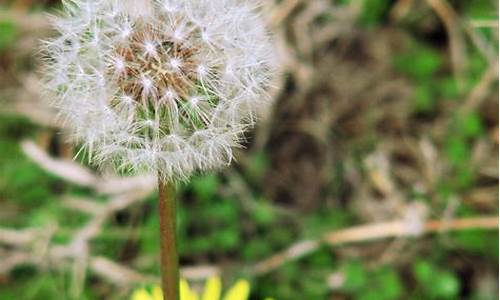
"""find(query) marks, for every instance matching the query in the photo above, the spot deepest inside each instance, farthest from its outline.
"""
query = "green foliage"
(256, 169)
(21, 181)
(420, 62)
(373, 12)
(458, 148)
(356, 276)
(471, 125)
(448, 88)
(382, 284)
(299, 280)
(389, 284)
(425, 67)
(481, 10)
(8, 34)
(205, 187)
(263, 213)
(324, 221)
(424, 98)
(40, 287)
(478, 242)
(434, 282)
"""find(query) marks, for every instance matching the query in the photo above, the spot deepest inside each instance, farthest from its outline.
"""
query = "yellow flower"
(213, 291)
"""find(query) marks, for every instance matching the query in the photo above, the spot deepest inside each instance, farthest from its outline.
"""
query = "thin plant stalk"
(168, 236)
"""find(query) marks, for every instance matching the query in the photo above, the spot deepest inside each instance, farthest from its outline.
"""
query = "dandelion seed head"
(160, 85)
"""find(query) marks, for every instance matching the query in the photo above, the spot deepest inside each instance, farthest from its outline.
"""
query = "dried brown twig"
(481, 91)
(455, 36)
(371, 232)
(81, 176)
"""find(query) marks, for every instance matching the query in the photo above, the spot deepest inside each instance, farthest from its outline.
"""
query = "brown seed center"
(152, 64)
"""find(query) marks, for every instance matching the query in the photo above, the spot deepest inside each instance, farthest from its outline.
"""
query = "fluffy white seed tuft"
(161, 86)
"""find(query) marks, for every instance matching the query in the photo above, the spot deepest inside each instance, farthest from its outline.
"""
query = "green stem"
(168, 237)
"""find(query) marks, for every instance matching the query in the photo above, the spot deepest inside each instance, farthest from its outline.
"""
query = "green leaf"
(196, 245)
(374, 12)
(321, 259)
(8, 33)
(424, 98)
(458, 150)
(446, 285)
(420, 62)
(448, 88)
(370, 294)
(390, 285)
(481, 10)
(325, 220)
(437, 283)
(355, 276)
(256, 169)
(478, 242)
(205, 187)
(472, 125)
(227, 239)
(263, 213)
(222, 212)
(423, 272)
(255, 249)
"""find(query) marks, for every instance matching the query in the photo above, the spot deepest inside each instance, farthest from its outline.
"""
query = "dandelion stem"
(168, 236)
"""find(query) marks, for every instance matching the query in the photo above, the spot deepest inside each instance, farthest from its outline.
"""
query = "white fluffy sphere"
(166, 86)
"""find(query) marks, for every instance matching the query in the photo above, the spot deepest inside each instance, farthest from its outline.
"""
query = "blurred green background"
(386, 110)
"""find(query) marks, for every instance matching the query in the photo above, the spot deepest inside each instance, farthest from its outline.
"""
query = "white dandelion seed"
(160, 85)
(149, 49)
